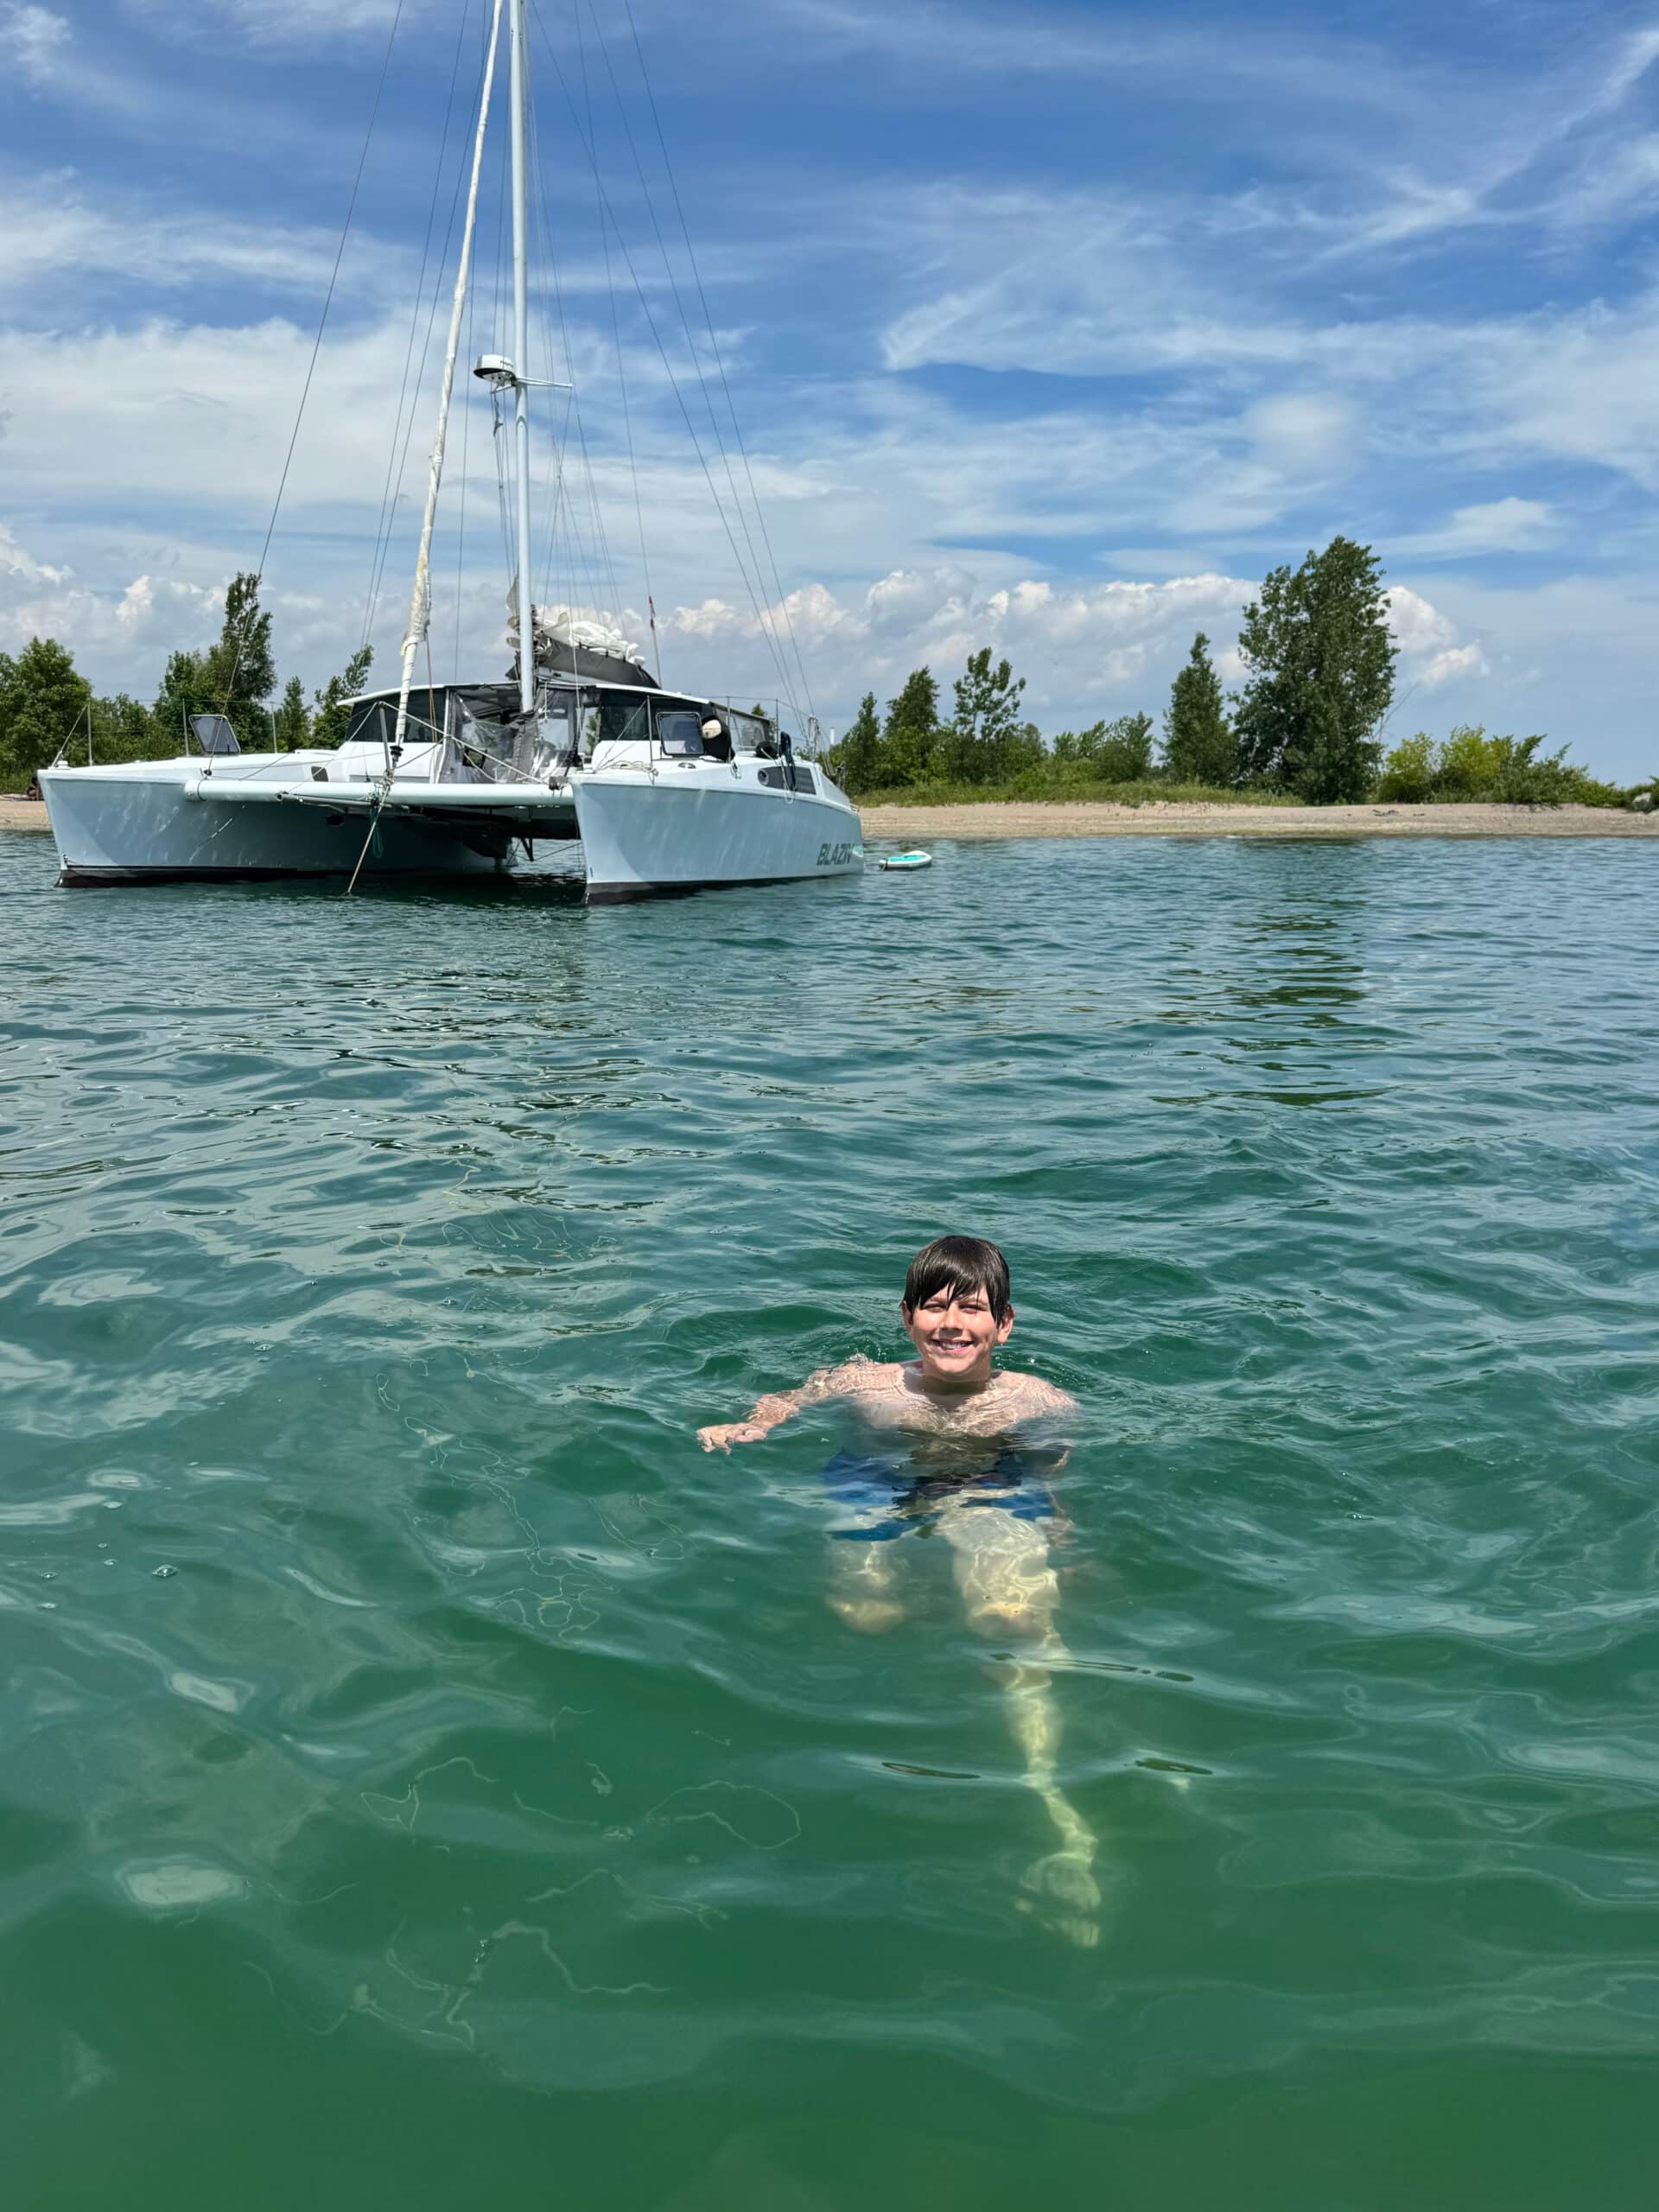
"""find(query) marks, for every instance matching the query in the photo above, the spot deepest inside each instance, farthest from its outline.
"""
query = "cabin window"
(751, 733)
(373, 720)
(556, 736)
(623, 718)
(679, 732)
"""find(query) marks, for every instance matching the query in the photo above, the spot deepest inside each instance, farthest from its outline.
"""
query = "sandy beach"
(917, 825)
(914, 825)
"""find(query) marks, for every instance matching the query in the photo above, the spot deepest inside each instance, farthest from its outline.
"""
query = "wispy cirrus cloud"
(35, 39)
(1040, 42)
(281, 23)
(56, 228)
(1509, 525)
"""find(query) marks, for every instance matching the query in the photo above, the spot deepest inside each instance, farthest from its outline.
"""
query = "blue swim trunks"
(892, 1501)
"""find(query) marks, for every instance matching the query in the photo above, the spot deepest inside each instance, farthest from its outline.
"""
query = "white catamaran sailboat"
(667, 790)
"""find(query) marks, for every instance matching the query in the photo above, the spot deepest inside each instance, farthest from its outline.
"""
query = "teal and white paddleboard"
(907, 860)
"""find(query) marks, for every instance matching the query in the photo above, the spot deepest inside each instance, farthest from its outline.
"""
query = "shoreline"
(907, 826)
(911, 825)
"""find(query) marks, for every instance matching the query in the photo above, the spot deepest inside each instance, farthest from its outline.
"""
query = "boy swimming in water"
(970, 1476)
(957, 1310)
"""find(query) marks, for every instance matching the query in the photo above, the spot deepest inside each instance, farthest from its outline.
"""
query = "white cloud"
(1576, 387)
(278, 23)
(1283, 400)
(941, 38)
(53, 229)
(1430, 652)
(1307, 434)
(1615, 181)
(1511, 525)
(117, 630)
(35, 38)
(1085, 648)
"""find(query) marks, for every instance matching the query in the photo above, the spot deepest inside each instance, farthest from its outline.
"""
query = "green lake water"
(427, 1779)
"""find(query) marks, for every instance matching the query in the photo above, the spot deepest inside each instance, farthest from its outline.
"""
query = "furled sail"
(569, 643)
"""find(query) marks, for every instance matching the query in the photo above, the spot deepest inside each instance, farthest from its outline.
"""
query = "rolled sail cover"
(569, 643)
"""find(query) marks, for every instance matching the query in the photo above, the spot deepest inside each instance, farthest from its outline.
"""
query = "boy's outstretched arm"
(780, 1406)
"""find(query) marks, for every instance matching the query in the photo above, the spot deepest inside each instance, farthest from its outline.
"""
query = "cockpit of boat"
(582, 724)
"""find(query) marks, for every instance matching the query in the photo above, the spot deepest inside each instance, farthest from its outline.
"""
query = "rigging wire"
(685, 320)
(316, 346)
(466, 424)
(598, 549)
(563, 501)
(668, 366)
(461, 503)
(503, 460)
(622, 375)
(563, 496)
(601, 539)
(426, 348)
(382, 528)
(551, 590)
(714, 341)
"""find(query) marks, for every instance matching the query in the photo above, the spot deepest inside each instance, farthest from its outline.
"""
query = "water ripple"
(404, 1719)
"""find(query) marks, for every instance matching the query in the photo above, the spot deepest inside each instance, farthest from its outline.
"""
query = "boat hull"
(149, 829)
(648, 838)
(645, 832)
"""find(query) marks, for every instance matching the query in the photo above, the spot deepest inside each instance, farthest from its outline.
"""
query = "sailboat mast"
(520, 88)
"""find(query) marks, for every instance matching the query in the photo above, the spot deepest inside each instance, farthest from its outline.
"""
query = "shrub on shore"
(1498, 771)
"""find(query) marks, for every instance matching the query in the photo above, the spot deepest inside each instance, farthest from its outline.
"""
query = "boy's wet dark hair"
(958, 1263)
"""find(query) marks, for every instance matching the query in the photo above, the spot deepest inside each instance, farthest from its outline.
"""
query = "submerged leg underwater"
(1005, 1579)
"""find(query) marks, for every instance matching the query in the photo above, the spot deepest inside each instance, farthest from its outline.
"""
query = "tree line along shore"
(1302, 731)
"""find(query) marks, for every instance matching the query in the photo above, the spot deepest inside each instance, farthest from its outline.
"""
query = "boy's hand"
(725, 1434)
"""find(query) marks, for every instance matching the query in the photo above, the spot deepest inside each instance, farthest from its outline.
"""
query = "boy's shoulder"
(1044, 1397)
(855, 1377)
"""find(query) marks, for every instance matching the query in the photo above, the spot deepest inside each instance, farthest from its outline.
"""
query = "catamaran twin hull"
(694, 825)
(167, 821)
(682, 826)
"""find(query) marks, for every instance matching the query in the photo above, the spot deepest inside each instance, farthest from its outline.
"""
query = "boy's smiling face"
(955, 1331)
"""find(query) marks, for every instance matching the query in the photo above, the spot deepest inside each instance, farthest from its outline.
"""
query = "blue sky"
(1050, 328)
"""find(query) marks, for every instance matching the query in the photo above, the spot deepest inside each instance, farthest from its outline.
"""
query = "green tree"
(42, 702)
(910, 737)
(1118, 752)
(1021, 753)
(1321, 660)
(123, 730)
(292, 718)
(333, 711)
(1408, 772)
(1199, 746)
(187, 690)
(858, 757)
(240, 673)
(987, 735)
